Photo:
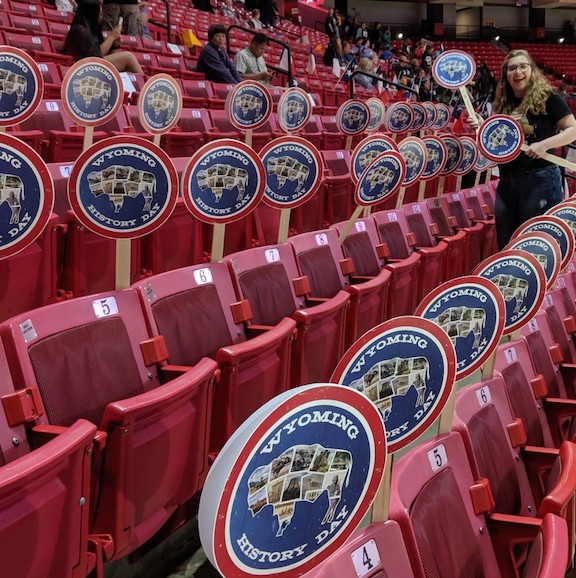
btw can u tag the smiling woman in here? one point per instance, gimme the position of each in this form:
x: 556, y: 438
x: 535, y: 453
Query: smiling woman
x: 529, y: 185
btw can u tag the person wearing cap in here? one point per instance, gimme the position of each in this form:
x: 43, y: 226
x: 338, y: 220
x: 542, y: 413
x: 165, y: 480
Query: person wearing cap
x: 214, y: 61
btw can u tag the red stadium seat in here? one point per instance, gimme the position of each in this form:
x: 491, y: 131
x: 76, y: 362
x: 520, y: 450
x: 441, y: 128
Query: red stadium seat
x: 338, y: 187
x: 480, y: 213
x: 197, y: 93
x: 92, y: 358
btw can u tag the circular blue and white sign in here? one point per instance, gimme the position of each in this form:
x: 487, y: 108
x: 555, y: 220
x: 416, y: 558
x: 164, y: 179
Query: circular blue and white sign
x: 294, y: 109
x: 469, y: 156
x: 544, y: 248
x: 453, y: 69
x: 92, y: 91
x: 21, y: 86
x: 381, y: 179
x: 436, y: 157
x: 471, y: 311
x: 26, y: 195
x: 399, y: 117
x: 482, y: 163
x: 353, y: 117
x: 413, y: 151
x: 123, y: 187
x: 431, y: 114
x: 565, y: 211
x: 248, y: 105
x: 160, y: 104
x: 520, y: 279
x: 377, y: 111
x: 420, y: 117
x: 294, y: 171
x: 500, y: 138
x: 406, y: 367
x: 223, y: 181
x: 292, y: 483
x: 366, y: 151
x: 453, y: 155
x: 442, y: 116
x: 556, y: 228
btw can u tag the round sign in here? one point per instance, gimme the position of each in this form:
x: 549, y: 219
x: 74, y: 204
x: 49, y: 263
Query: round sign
x: 482, y: 163
x: 442, y: 116
x: 413, y: 151
x: 377, y: 111
x: 565, y: 211
x: 294, y: 171
x: 556, y: 228
x: 248, y: 105
x: 469, y: 156
x: 520, y: 279
x: 406, y: 367
x: 22, y: 86
x: 431, y: 114
x: 381, y: 179
x: 353, y: 117
x: 26, y: 195
x: 453, y: 69
x: 223, y: 181
x: 398, y: 117
x: 92, y: 92
x: 292, y: 483
x: 294, y: 109
x: 159, y: 104
x: 500, y: 138
x: 453, y: 155
x: 420, y: 117
x: 436, y: 157
x: 366, y: 151
x: 123, y: 187
x: 471, y: 311
x: 544, y: 248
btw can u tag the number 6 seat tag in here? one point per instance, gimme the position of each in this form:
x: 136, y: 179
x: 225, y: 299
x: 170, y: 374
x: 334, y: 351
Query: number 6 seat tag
x: 105, y: 307
x: 365, y: 558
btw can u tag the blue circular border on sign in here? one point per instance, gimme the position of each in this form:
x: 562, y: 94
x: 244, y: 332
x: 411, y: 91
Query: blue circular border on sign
x: 453, y: 69
x: 436, y: 157
x: 500, y: 138
x: 353, y: 117
x: 223, y: 181
x: 248, y: 105
x: 293, y: 178
x: 420, y: 117
x: 315, y: 456
x: 565, y: 211
x: 414, y: 153
x: 26, y: 195
x: 21, y: 86
x: 377, y: 112
x: 469, y: 156
x: 123, y: 187
x: 294, y: 109
x: 482, y: 163
x: 522, y: 282
x: 453, y: 154
x: 399, y: 117
x: 407, y: 353
x: 442, y: 116
x: 471, y: 311
x: 381, y: 179
x: 159, y: 104
x: 92, y: 91
x: 431, y: 114
x: 366, y: 151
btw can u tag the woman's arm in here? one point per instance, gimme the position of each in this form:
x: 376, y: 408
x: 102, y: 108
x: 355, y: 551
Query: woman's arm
x: 567, y: 135
x: 113, y: 35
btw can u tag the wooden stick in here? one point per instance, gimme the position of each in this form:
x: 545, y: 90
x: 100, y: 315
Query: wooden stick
x: 348, y: 145
x: 447, y: 414
x: 2, y: 129
x: 458, y: 183
x: 488, y: 366
x: 123, y: 262
x: 400, y: 199
x: 467, y: 102
x: 284, y: 225
x: 218, y: 232
x: 440, y: 190
x: 477, y: 179
x: 88, y: 137
x: 422, y: 191
x: 366, y: 212
x: 156, y: 139
x: 248, y: 137
x: 554, y: 159
x: 350, y: 223
x: 381, y: 505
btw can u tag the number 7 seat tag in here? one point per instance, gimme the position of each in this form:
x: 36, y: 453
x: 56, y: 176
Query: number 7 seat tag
x: 365, y: 558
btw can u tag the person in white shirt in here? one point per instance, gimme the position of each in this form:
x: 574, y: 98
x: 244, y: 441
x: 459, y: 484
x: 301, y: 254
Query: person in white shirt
x: 250, y: 61
x: 254, y: 22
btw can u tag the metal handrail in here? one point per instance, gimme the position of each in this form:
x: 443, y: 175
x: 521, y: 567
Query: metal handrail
x: 270, y: 39
x: 166, y: 26
x: 377, y: 77
x: 299, y: 24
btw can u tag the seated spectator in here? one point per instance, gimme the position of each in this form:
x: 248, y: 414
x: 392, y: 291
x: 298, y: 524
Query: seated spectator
x: 214, y: 61
x: 85, y: 39
x: 366, y: 65
x: 250, y: 61
x: 227, y: 10
x: 255, y: 22
x: 334, y: 50
x: 347, y: 55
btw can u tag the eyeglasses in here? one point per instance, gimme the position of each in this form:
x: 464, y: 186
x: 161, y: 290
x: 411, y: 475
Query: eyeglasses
x: 521, y: 67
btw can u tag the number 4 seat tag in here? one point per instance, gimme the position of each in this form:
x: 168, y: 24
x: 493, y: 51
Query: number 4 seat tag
x: 365, y: 558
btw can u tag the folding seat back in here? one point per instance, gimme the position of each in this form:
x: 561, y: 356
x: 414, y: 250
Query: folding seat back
x: 403, y: 261
x: 268, y: 277
x: 91, y: 358
x: 197, y: 93
x: 480, y: 213
x: 312, y: 131
x: 222, y: 127
x: 339, y: 189
x: 322, y: 260
x: 196, y: 310
x: 333, y: 138
x: 561, y: 324
x: 378, y: 549
x: 27, y: 8
x: 32, y: 24
x: 220, y: 93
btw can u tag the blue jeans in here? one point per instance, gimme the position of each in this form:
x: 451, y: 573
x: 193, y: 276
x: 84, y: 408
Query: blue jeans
x: 524, y: 195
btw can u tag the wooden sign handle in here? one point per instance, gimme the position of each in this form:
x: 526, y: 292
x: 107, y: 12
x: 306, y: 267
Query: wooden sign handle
x: 441, y: 182
x: 348, y: 145
x: 218, y: 232
x: 156, y: 139
x: 284, y: 225
x: 350, y: 223
x: 400, y: 199
x: 248, y: 137
x: 422, y: 191
x: 554, y: 159
x: 467, y: 102
x: 381, y: 505
x: 88, y: 137
x: 123, y: 263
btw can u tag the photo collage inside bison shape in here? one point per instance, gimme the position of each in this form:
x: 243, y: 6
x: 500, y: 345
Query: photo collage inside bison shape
x: 459, y: 321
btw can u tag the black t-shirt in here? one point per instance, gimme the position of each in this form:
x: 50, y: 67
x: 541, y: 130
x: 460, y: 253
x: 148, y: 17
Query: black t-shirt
x: 543, y: 127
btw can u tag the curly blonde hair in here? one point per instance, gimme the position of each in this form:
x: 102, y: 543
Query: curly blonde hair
x: 533, y: 101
